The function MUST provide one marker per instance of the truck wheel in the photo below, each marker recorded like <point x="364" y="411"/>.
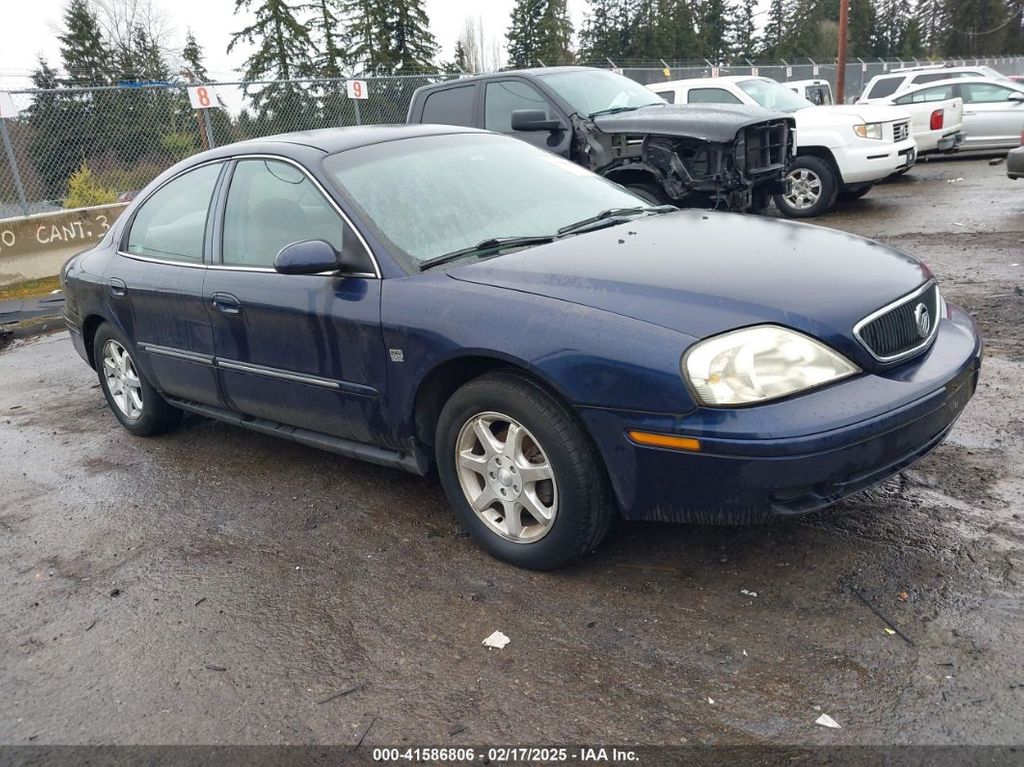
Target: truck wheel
<point x="854" y="192"/>
<point x="813" y="188"/>
<point x="521" y="474"/>
<point x="649" y="193"/>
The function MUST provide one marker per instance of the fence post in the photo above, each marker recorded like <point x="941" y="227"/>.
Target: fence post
<point x="208" y="125"/>
<point x="13" y="162"/>
<point x="359" y="119"/>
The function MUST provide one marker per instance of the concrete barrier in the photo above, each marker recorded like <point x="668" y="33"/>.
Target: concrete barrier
<point x="37" y="246"/>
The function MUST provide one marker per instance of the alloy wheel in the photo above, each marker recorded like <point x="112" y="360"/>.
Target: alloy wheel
<point x="506" y="477"/>
<point x="122" y="380"/>
<point x="805" y="189"/>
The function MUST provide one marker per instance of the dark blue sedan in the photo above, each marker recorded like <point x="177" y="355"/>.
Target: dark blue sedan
<point x="560" y="350"/>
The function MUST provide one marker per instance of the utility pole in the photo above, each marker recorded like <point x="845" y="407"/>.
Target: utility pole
<point x="844" y="18"/>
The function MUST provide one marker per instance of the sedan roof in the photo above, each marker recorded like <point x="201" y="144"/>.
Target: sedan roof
<point x="959" y="81"/>
<point x="331" y="140"/>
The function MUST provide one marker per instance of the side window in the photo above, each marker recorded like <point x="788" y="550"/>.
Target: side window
<point x="885" y="86"/>
<point x="452" y="106"/>
<point x="712" y="96"/>
<point x="984" y="93"/>
<point x="171" y="224"/>
<point x="669" y="96"/>
<point x="502" y="98"/>
<point x="272" y="204"/>
<point x="933" y="77"/>
<point x="939" y="93"/>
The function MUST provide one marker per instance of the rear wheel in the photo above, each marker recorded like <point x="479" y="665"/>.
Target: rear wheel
<point x="132" y="399"/>
<point x="521" y="474"/>
<point x="812" y="191"/>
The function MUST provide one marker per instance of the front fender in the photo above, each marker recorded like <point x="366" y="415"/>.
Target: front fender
<point x="589" y="356"/>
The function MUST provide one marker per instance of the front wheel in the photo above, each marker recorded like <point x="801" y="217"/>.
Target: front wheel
<point x="521" y="474"/>
<point x="132" y="399"/>
<point x="812" y="188"/>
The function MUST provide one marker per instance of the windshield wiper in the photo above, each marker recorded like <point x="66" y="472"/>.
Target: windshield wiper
<point x="487" y="246"/>
<point x="613" y="216"/>
<point x="616" y="110"/>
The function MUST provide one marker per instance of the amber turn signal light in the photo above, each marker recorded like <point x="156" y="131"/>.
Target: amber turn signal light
<point x="664" y="440"/>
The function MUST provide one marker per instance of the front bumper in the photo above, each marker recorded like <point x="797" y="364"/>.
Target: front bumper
<point x="1015" y="163"/>
<point x="795" y="455"/>
<point x="865" y="163"/>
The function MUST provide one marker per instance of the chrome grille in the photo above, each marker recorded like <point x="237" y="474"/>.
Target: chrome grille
<point x="900" y="131"/>
<point x="902" y="328"/>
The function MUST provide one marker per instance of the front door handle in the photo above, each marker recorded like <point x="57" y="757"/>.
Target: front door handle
<point x="117" y="287"/>
<point x="225" y="303"/>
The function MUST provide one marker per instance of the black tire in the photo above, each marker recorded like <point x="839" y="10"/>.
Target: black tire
<point x="650" y="193"/>
<point x="585" y="509"/>
<point x="156" y="416"/>
<point x="828" y="190"/>
<point x="854" y="193"/>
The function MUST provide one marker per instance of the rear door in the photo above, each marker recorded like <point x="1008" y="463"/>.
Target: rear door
<point x="301" y="350"/>
<point x="991" y="119"/>
<point x="451" y="105"/>
<point x="156" y="285"/>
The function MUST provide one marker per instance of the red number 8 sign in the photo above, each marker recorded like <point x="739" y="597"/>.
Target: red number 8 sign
<point x="200" y="97"/>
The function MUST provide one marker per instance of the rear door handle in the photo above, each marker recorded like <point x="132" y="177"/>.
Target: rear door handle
<point x="117" y="287"/>
<point x="225" y="303"/>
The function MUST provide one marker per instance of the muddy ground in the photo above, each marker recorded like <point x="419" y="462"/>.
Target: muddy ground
<point x="216" y="586"/>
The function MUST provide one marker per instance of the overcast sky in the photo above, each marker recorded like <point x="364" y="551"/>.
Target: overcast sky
<point x="28" y="29"/>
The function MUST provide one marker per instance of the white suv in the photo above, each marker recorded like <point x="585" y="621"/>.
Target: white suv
<point x="881" y="87"/>
<point x="840" y="150"/>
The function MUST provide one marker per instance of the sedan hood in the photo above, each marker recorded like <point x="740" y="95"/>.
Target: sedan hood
<point x="702" y="273"/>
<point x="710" y="122"/>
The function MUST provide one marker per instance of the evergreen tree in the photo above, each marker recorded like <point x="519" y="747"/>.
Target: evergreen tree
<point x="58" y="144"/>
<point x="607" y="32"/>
<point x="744" y="31"/>
<point x="975" y="27"/>
<point x="282" y="53"/>
<point x="540" y="32"/>
<point x="192" y="56"/>
<point x="461" y="58"/>
<point x="413" y="47"/>
<point x="777" y="30"/>
<point x="386" y="36"/>
<point x="680" y="35"/>
<point x="325" y="29"/>
<point x="86" y="58"/>
<point x="714" y="29"/>
<point x="861" y="34"/>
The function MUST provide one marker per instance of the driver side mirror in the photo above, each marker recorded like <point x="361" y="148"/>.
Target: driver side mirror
<point x="308" y="257"/>
<point x="534" y="120"/>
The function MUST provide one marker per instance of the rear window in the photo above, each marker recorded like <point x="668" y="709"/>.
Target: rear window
<point x="711" y="96"/>
<point x="451" y="106"/>
<point x="938" y="93"/>
<point x="885" y="86"/>
<point x="669" y="96"/>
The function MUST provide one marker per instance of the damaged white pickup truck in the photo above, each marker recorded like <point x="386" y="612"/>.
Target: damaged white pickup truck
<point x="731" y="158"/>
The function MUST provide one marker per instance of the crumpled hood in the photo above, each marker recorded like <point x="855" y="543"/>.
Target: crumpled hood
<point x="848" y="114"/>
<point x="702" y="273"/>
<point x="710" y="122"/>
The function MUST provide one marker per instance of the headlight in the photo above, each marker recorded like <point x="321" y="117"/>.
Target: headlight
<point x="869" y="130"/>
<point x="760" y="363"/>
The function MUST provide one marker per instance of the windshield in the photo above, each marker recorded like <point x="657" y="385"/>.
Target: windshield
<point x="597" y="90"/>
<point x="771" y="95"/>
<point x="435" y="195"/>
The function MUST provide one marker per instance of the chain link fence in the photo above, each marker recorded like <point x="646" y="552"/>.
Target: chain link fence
<point x="75" y="147"/>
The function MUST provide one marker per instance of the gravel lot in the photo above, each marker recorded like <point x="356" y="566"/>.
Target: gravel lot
<point x="216" y="586"/>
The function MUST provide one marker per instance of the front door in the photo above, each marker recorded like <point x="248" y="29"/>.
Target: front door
<point x="302" y="350"/>
<point x="155" y="284"/>
<point x="991" y="118"/>
<point x="503" y="97"/>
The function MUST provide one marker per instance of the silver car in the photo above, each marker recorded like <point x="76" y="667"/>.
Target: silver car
<point x="993" y="109"/>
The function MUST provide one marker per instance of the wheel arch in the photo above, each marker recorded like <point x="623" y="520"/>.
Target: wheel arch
<point x="822" y="153"/>
<point x="89" y="327"/>
<point x="445" y="378"/>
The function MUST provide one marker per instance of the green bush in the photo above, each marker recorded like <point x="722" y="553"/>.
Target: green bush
<point x="85" y="190"/>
